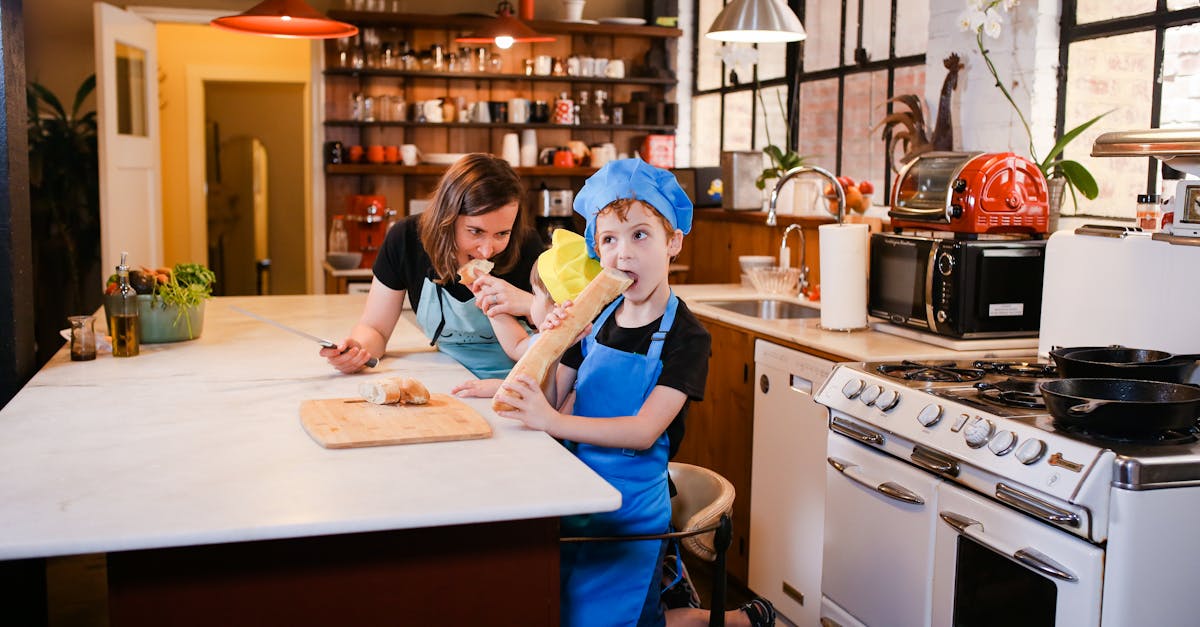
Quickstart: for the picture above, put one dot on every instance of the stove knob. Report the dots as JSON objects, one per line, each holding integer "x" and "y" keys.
{"x": 1031, "y": 451}
{"x": 1003, "y": 443}
{"x": 978, "y": 431}
{"x": 888, "y": 400}
{"x": 945, "y": 264}
{"x": 930, "y": 415}
{"x": 853, "y": 388}
{"x": 869, "y": 395}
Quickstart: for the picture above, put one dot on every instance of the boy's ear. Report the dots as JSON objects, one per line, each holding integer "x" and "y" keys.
{"x": 675, "y": 244}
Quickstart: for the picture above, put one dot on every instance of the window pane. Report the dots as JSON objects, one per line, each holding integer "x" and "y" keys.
{"x": 772, "y": 61}
{"x": 1097, "y": 10}
{"x": 1175, "y": 5}
{"x": 1181, "y": 75}
{"x": 877, "y": 26}
{"x": 131, "y": 90}
{"x": 818, "y": 122}
{"x": 862, "y": 150}
{"x": 772, "y": 118}
{"x": 1109, "y": 73}
{"x": 851, "y": 32}
{"x": 708, "y": 57}
{"x": 912, "y": 27}
{"x": 823, "y": 21}
{"x": 737, "y": 121}
{"x": 706, "y": 145}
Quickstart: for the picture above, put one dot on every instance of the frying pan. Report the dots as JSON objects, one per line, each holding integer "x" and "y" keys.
{"x": 1122, "y": 406}
{"x": 1116, "y": 362}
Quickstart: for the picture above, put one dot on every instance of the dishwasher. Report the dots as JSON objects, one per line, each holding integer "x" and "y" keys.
{"x": 787, "y": 486}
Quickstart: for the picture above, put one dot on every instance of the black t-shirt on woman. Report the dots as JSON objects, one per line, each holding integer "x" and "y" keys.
{"x": 402, "y": 263}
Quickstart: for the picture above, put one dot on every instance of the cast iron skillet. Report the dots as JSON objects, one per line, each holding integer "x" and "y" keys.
{"x": 1122, "y": 406}
{"x": 1116, "y": 362}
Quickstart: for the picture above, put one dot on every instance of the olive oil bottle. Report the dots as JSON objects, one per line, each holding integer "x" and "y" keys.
{"x": 123, "y": 321}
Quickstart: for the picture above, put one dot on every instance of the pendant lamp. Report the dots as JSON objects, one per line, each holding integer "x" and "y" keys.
{"x": 756, "y": 21}
{"x": 285, "y": 18}
{"x": 504, "y": 30}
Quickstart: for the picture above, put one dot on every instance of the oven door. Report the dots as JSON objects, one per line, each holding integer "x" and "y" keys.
{"x": 995, "y": 566}
{"x": 879, "y": 523}
{"x": 901, "y": 278}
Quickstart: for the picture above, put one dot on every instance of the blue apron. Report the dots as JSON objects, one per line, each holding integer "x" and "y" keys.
{"x": 462, "y": 331}
{"x": 612, "y": 583}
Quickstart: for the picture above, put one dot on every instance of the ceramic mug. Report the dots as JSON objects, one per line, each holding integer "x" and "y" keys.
{"x": 408, "y": 154}
{"x": 375, "y": 154}
{"x": 543, "y": 64}
{"x": 518, "y": 110}
{"x": 391, "y": 154}
{"x": 433, "y": 110}
{"x": 615, "y": 69}
{"x": 480, "y": 112}
{"x": 356, "y": 154}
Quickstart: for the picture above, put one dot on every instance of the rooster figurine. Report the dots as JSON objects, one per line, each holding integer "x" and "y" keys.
{"x": 912, "y": 139}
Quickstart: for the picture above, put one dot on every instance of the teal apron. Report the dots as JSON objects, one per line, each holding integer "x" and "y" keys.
{"x": 613, "y": 583}
{"x": 462, "y": 331}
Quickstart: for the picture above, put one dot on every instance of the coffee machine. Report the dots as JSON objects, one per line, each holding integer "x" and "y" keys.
{"x": 367, "y": 220}
{"x": 553, "y": 210}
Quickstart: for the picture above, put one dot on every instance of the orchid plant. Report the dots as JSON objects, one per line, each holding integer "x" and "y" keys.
{"x": 985, "y": 17}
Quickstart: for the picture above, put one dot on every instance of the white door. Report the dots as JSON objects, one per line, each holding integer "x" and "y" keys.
{"x": 127, "y": 121}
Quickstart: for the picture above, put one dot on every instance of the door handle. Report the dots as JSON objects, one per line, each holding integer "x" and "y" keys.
{"x": 1029, "y": 557}
{"x": 889, "y": 489}
{"x": 851, "y": 430}
{"x": 1035, "y": 507}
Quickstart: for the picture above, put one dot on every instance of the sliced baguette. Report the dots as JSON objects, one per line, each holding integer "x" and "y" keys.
{"x": 474, "y": 269}
{"x": 395, "y": 390}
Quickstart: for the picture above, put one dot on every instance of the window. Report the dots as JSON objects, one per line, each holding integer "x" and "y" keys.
{"x": 1137, "y": 59}
{"x": 839, "y": 79}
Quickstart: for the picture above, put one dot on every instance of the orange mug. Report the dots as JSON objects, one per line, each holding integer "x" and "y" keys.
{"x": 356, "y": 154}
{"x": 391, "y": 154}
{"x": 375, "y": 154}
{"x": 563, "y": 158}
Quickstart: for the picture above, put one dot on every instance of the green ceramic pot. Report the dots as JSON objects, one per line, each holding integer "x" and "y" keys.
{"x": 158, "y": 324}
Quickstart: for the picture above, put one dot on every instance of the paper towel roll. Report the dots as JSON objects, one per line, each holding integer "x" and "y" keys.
{"x": 510, "y": 149}
{"x": 843, "y": 275}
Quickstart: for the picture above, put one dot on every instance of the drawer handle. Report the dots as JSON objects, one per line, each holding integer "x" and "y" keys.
{"x": 889, "y": 489}
{"x": 856, "y": 432}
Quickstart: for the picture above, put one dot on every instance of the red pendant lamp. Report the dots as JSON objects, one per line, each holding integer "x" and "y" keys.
{"x": 504, "y": 30}
{"x": 285, "y": 18}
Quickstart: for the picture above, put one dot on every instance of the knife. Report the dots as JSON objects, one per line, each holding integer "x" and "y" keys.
{"x": 371, "y": 363}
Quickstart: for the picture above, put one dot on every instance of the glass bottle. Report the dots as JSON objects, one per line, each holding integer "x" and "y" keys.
{"x": 83, "y": 338}
{"x": 123, "y": 321}
{"x": 339, "y": 240}
{"x": 1149, "y": 211}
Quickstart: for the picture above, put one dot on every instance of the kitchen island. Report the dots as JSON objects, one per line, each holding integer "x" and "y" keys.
{"x": 187, "y": 465}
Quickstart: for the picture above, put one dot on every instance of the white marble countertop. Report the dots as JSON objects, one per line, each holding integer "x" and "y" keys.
{"x": 867, "y": 345}
{"x": 200, "y": 442}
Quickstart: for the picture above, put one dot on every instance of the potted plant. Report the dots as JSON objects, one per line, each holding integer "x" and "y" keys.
{"x": 64, "y": 203}
{"x": 781, "y": 160}
{"x": 170, "y": 301}
{"x": 984, "y": 17}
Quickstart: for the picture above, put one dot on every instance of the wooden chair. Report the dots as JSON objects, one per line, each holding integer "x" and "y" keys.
{"x": 700, "y": 513}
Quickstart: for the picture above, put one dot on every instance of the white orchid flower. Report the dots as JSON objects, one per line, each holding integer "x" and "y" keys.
{"x": 992, "y": 26}
{"x": 1009, "y": 5}
{"x": 971, "y": 20}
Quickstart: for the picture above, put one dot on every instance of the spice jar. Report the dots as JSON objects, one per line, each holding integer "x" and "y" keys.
{"x": 1149, "y": 211}
{"x": 83, "y": 338}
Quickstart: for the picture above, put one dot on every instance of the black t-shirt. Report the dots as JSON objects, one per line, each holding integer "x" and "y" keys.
{"x": 685, "y": 354}
{"x": 403, "y": 264}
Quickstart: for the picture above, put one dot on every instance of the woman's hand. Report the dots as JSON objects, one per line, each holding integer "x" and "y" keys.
{"x": 348, "y": 357}
{"x": 496, "y": 296}
{"x": 531, "y": 405}
{"x": 477, "y": 388}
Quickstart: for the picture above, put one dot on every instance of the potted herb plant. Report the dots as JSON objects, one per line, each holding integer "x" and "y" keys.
{"x": 170, "y": 301}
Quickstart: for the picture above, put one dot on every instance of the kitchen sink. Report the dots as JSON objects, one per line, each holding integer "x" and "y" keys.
{"x": 765, "y": 308}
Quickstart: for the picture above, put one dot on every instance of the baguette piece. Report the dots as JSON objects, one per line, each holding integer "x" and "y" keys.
{"x": 395, "y": 390}
{"x": 551, "y": 345}
{"x": 474, "y": 269}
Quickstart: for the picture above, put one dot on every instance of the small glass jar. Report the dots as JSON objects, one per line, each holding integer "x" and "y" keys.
{"x": 1149, "y": 211}
{"x": 83, "y": 338}
{"x": 339, "y": 239}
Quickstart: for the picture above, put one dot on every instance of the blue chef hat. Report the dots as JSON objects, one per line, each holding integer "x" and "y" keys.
{"x": 632, "y": 178}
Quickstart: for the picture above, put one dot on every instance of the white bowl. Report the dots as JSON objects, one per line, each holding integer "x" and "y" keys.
{"x": 344, "y": 261}
{"x": 441, "y": 158}
{"x": 755, "y": 261}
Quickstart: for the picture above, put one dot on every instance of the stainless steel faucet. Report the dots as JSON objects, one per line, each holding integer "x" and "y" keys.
{"x": 785, "y": 258}
{"x": 841, "y": 194}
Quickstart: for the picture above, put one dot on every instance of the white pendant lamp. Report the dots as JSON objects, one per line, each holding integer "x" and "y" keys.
{"x": 756, "y": 21}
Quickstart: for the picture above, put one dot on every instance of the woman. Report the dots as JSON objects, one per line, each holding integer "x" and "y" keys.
{"x": 473, "y": 214}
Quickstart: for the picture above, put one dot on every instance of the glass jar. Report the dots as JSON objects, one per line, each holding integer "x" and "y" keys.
{"x": 83, "y": 338}
{"x": 1149, "y": 211}
{"x": 339, "y": 239}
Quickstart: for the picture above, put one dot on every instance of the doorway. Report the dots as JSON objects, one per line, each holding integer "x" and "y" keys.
{"x": 255, "y": 210}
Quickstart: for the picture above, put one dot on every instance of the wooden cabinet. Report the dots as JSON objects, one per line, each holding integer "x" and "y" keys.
{"x": 720, "y": 428}
{"x": 640, "y": 48}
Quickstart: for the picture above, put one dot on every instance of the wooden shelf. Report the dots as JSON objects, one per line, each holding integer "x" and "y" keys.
{"x": 487, "y": 76}
{"x": 437, "y": 170}
{"x": 473, "y": 21}
{"x": 653, "y": 128}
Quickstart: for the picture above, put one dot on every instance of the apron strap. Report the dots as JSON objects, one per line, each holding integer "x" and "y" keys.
{"x": 441, "y": 309}
{"x": 599, "y": 322}
{"x": 658, "y": 339}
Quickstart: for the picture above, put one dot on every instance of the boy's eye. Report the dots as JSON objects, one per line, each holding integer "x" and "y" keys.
{"x": 640, "y": 235}
{"x": 607, "y": 239}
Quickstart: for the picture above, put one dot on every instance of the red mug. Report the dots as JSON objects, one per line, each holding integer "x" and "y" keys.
{"x": 375, "y": 154}
{"x": 391, "y": 154}
{"x": 563, "y": 158}
{"x": 356, "y": 154}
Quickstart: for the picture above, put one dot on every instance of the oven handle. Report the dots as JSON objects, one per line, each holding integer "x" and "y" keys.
{"x": 1035, "y": 507}
{"x": 1031, "y": 558}
{"x": 851, "y": 430}
{"x": 889, "y": 489}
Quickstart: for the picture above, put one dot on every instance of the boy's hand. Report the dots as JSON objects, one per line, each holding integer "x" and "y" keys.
{"x": 532, "y": 408}
{"x": 477, "y": 388}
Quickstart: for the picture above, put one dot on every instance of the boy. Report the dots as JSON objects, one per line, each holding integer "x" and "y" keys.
{"x": 632, "y": 375}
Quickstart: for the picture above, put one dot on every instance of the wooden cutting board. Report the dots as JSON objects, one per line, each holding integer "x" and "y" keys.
{"x": 336, "y": 423}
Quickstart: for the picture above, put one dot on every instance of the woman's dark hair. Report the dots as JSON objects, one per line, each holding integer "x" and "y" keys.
{"x": 476, "y": 184}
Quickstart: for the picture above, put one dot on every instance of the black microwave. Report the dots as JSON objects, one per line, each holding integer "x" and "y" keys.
{"x": 963, "y": 288}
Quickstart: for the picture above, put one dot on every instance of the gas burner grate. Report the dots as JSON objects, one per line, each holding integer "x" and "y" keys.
{"x": 1013, "y": 393}
{"x": 1153, "y": 438}
{"x": 1033, "y": 370}
{"x": 938, "y": 373}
